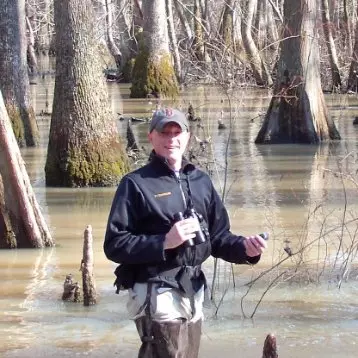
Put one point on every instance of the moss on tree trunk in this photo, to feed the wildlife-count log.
(153, 71)
(84, 146)
(151, 75)
(91, 164)
(16, 122)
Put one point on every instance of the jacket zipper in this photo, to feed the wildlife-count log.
(182, 192)
(185, 206)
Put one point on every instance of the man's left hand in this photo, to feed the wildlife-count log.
(254, 245)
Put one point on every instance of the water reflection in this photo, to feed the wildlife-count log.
(280, 189)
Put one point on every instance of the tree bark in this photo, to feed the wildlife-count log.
(71, 290)
(258, 66)
(44, 35)
(127, 42)
(14, 79)
(21, 222)
(270, 347)
(298, 112)
(88, 283)
(227, 27)
(84, 148)
(352, 83)
(153, 70)
(31, 55)
(198, 45)
(184, 21)
(331, 47)
(173, 39)
(113, 48)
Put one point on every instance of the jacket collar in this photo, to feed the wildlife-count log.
(186, 166)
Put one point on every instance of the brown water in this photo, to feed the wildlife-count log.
(270, 188)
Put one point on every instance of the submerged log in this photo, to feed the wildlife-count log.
(71, 290)
(88, 283)
(270, 347)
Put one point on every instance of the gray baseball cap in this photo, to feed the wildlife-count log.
(164, 116)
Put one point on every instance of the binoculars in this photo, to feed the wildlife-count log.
(202, 234)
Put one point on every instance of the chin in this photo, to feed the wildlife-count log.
(173, 156)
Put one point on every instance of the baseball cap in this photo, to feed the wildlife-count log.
(164, 116)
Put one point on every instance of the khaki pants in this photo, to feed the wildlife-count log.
(172, 339)
(169, 324)
(166, 304)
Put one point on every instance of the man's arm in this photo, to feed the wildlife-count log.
(122, 244)
(232, 248)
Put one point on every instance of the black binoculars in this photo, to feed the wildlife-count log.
(202, 234)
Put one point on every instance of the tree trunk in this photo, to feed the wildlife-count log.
(184, 22)
(258, 66)
(14, 79)
(113, 48)
(21, 222)
(239, 43)
(227, 27)
(31, 55)
(88, 283)
(44, 35)
(84, 148)
(268, 27)
(298, 112)
(352, 84)
(173, 39)
(153, 70)
(331, 47)
(127, 42)
(345, 27)
(198, 45)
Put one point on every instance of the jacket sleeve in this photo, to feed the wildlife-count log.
(123, 242)
(225, 245)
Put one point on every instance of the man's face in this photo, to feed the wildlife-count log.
(171, 143)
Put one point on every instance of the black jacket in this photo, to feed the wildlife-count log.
(143, 212)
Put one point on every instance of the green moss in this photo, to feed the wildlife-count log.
(96, 165)
(128, 70)
(17, 124)
(153, 76)
(32, 135)
(10, 240)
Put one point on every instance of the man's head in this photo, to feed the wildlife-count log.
(164, 116)
(169, 135)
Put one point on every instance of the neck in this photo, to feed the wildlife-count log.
(175, 165)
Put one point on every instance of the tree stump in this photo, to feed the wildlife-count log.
(270, 347)
(131, 142)
(71, 290)
(89, 288)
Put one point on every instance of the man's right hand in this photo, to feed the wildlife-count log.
(180, 232)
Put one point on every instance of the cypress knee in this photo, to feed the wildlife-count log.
(88, 283)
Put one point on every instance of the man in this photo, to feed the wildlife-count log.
(166, 220)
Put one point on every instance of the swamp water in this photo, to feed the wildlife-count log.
(271, 188)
